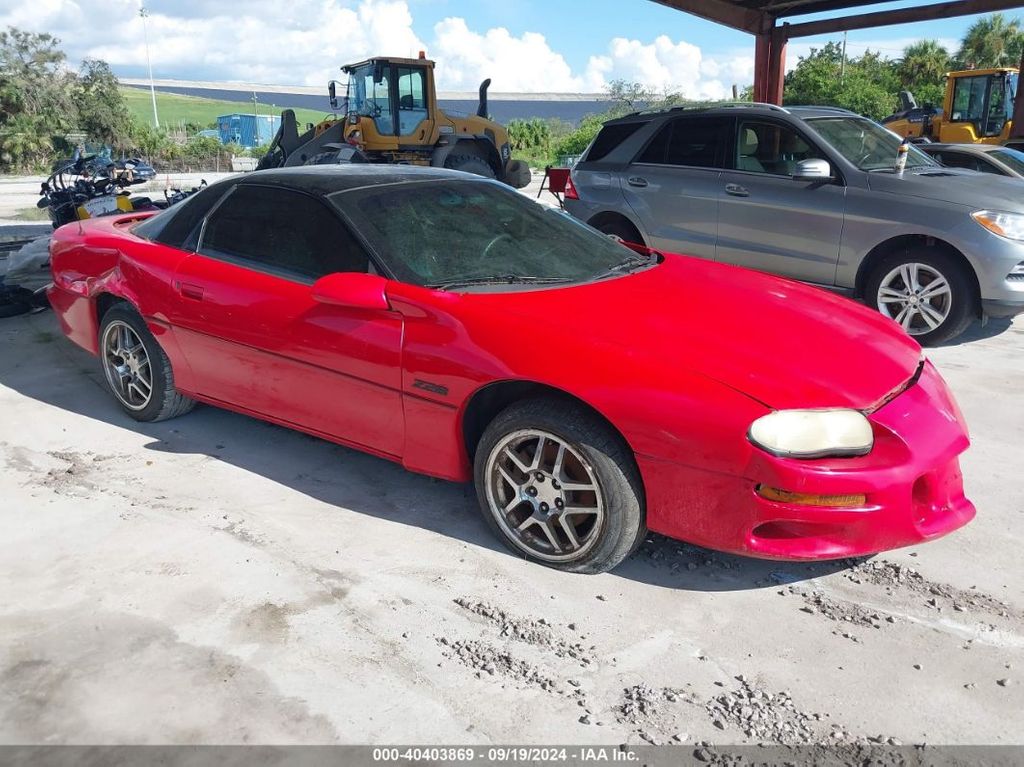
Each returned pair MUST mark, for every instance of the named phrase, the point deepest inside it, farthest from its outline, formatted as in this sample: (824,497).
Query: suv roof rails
(839,110)
(697,106)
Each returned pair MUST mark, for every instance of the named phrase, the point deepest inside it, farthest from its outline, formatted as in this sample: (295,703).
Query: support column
(1017,131)
(762,49)
(770,65)
(776,66)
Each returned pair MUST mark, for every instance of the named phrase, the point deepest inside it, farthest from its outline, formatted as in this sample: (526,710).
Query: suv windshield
(449,233)
(867,145)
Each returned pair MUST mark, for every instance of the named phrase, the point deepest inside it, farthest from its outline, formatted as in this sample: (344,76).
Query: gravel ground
(215,579)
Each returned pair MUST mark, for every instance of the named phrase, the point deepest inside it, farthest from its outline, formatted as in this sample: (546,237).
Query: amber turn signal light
(809,499)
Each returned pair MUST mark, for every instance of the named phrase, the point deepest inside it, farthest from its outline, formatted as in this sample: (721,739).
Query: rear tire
(469,163)
(927,291)
(559,487)
(136,368)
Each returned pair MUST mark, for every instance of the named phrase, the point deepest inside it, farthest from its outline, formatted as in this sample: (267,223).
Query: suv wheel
(927,292)
(620,230)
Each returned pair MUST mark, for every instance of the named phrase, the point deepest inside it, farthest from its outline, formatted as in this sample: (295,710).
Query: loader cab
(979,106)
(396,95)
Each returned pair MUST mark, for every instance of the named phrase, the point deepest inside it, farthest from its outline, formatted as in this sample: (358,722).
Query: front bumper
(911,480)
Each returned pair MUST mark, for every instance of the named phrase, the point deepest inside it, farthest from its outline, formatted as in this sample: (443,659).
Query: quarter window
(283,232)
(692,142)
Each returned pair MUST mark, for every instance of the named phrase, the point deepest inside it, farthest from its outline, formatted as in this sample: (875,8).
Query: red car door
(256,339)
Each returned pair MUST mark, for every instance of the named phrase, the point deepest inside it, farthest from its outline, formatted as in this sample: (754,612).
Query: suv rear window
(610,137)
(696,142)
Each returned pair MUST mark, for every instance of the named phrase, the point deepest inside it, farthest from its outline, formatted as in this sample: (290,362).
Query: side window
(412,102)
(283,232)
(178,225)
(987,167)
(763,147)
(969,99)
(955,160)
(692,142)
(378,102)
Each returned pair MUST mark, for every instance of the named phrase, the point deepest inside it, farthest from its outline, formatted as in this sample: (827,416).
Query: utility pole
(842,67)
(256,120)
(149,64)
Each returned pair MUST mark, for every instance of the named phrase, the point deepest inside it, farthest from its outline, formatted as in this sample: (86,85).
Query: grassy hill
(174,108)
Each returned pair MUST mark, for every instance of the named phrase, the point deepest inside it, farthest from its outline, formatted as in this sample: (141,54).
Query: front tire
(559,486)
(469,163)
(928,292)
(136,369)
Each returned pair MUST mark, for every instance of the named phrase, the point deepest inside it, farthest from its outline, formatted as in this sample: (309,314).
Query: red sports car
(591,391)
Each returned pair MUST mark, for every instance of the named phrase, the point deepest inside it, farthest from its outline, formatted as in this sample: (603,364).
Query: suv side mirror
(813,170)
(353,290)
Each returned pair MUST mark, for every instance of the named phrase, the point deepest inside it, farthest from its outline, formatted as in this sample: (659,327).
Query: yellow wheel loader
(389,114)
(977,109)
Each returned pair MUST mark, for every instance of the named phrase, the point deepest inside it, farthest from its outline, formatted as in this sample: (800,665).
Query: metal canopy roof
(760,16)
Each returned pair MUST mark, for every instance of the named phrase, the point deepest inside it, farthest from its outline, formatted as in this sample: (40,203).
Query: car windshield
(867,145)
(1011,158)
(451,233)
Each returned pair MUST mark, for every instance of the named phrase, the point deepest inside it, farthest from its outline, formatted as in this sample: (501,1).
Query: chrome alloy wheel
(544,496)
(916,296)
(126,364)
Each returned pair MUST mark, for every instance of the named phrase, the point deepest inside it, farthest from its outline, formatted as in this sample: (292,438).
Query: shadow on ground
(39,363)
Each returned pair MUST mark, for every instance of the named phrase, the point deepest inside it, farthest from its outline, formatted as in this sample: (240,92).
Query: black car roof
(328,179)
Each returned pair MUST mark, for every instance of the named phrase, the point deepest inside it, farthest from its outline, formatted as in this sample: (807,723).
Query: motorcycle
(23,286)
(75,191)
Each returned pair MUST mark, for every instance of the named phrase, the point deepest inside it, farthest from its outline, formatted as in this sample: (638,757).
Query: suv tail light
(570,189)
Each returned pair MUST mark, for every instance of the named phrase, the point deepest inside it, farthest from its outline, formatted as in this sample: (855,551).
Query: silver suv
(810,193)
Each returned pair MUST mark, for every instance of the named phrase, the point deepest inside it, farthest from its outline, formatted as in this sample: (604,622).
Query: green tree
(994,41)
(921,70)
(33,78)
(24,142)
(102,112)
(866,85)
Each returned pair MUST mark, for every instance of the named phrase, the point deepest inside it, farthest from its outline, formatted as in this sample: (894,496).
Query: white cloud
(303,42)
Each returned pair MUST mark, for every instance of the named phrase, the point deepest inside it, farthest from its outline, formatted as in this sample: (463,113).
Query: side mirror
(813,170)
(332,92)
(353,290)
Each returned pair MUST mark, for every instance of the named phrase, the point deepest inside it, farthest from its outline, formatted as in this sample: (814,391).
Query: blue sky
(573,27)
(523,45)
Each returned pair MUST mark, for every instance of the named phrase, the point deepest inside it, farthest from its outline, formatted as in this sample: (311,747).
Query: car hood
(782,343)
(961,187)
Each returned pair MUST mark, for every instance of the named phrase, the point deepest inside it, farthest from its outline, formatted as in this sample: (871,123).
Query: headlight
(812,433)
(1008,225)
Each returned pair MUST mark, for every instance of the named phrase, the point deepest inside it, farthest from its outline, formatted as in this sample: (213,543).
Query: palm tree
(24,142)
(923,62)
(994,41)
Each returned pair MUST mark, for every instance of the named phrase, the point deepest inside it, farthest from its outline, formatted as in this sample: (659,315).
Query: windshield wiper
(498,279)
(628,265)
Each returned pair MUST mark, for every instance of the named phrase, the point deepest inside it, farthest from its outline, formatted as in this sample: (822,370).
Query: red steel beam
(1017,129)
(723,12)
(898,16)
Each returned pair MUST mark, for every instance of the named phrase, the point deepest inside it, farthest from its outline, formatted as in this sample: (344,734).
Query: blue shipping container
(249,130)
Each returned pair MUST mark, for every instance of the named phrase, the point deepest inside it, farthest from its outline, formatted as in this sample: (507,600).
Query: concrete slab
(214,579)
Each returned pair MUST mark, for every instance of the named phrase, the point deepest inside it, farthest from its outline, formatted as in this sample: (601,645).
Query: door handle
(188,290)
(636,181)
(736,190)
